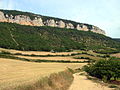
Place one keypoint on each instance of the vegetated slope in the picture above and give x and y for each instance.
(45, 38)
(117, 39)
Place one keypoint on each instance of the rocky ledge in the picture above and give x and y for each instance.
(40, 21)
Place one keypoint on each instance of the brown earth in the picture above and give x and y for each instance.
(81, 82)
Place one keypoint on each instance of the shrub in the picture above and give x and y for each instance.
(5, 52)
(82, 58)
(104, 69)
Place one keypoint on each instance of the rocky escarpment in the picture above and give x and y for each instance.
(38, 20)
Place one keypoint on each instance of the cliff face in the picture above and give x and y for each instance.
(53, 22)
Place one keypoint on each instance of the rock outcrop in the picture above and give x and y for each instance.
(61, 24)
(2, 17)
(82, 27)
(97, 30)
(51, 23)
(69, 25)
(38, 21)
(21, 19)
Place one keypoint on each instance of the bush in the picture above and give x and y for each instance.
(107, 51)
(104, 69)
(5, 52)
(82, 58)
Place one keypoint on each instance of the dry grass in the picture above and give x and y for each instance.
(56, 81)
(68, 58)
(14, 73)
(37, 52)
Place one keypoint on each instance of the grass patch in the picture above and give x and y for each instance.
(33, 55)
(113, 86)
(39, 60)
(56, 81)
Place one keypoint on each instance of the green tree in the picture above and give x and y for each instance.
(109, 69)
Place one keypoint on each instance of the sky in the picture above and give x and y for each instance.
(102, 13)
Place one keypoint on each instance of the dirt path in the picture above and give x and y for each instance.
(82, 83)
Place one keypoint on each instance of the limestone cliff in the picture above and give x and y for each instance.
(38, 20)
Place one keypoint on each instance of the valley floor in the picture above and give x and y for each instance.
(82, 83)
(14, 72)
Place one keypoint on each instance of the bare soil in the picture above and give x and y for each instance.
(82, 83)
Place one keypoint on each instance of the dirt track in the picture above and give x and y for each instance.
(82, 83)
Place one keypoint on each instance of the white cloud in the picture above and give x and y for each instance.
(10, 4)
(1, 3)
(7, 4)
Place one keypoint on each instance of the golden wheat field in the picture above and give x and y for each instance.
(38, 52)
(14, 72)
(70, 58)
